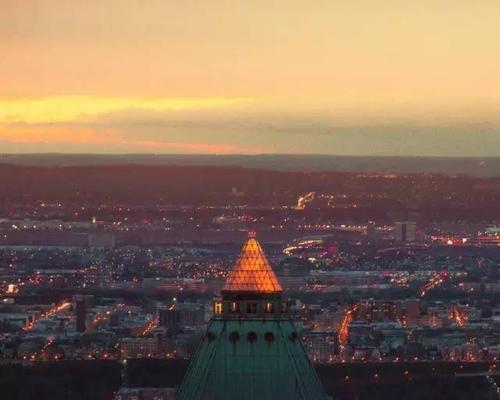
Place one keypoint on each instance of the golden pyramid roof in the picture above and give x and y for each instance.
(252, 272)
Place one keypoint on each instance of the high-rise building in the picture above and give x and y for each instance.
(405, 231)
(82, 304)
(170, 318)
(251, 349)
(412, 312)
(81, 313)
(371, 230)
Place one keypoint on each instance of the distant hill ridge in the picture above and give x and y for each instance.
(474, 166)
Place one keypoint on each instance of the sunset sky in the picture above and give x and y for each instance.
(387, 77)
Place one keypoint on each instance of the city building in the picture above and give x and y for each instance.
(405, 231)
(81, 314)
(182, 314)
(139, 346)
(490, 236)
(251, 349)
(321, 345)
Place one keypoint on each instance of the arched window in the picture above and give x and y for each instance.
(269, 336)
(251, 336)
(234, 337)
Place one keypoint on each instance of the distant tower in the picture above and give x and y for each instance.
(81, 313)
(371, 230)
(405, 231)
(251, 350)
(98, 238)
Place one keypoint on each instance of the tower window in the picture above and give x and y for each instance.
(218, 307)
(269, 308)
(251, 308)
(234, 307)
(251, 336)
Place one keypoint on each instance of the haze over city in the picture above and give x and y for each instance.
(251, 200)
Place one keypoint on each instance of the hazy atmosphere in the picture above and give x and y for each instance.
(331, 77)
(249, 199)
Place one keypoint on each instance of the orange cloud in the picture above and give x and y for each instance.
(31, 134)
(109, 138)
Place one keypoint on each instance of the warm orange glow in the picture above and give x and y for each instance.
(252, 272)
(351, 77)
(344, 326)
(150, 326)
(49, 313)
(106, 139)
(459, 317)
(435, 280)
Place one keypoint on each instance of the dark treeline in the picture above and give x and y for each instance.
(475, 166)
(97, 380)
(67, 380)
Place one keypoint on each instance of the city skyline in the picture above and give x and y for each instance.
(232, 199)
(247, 78)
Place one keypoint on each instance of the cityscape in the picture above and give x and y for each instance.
(129, 285)
(249, 200)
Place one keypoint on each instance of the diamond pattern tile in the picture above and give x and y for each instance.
(252, 272)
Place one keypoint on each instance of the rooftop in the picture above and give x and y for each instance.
(252, 271)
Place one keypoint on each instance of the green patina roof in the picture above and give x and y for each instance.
(224, 368)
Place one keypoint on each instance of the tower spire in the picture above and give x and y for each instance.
(252, 349)
(252, 272)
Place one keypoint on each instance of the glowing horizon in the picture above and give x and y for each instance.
(392, 78)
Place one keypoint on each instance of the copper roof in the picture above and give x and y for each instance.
(252, 272)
